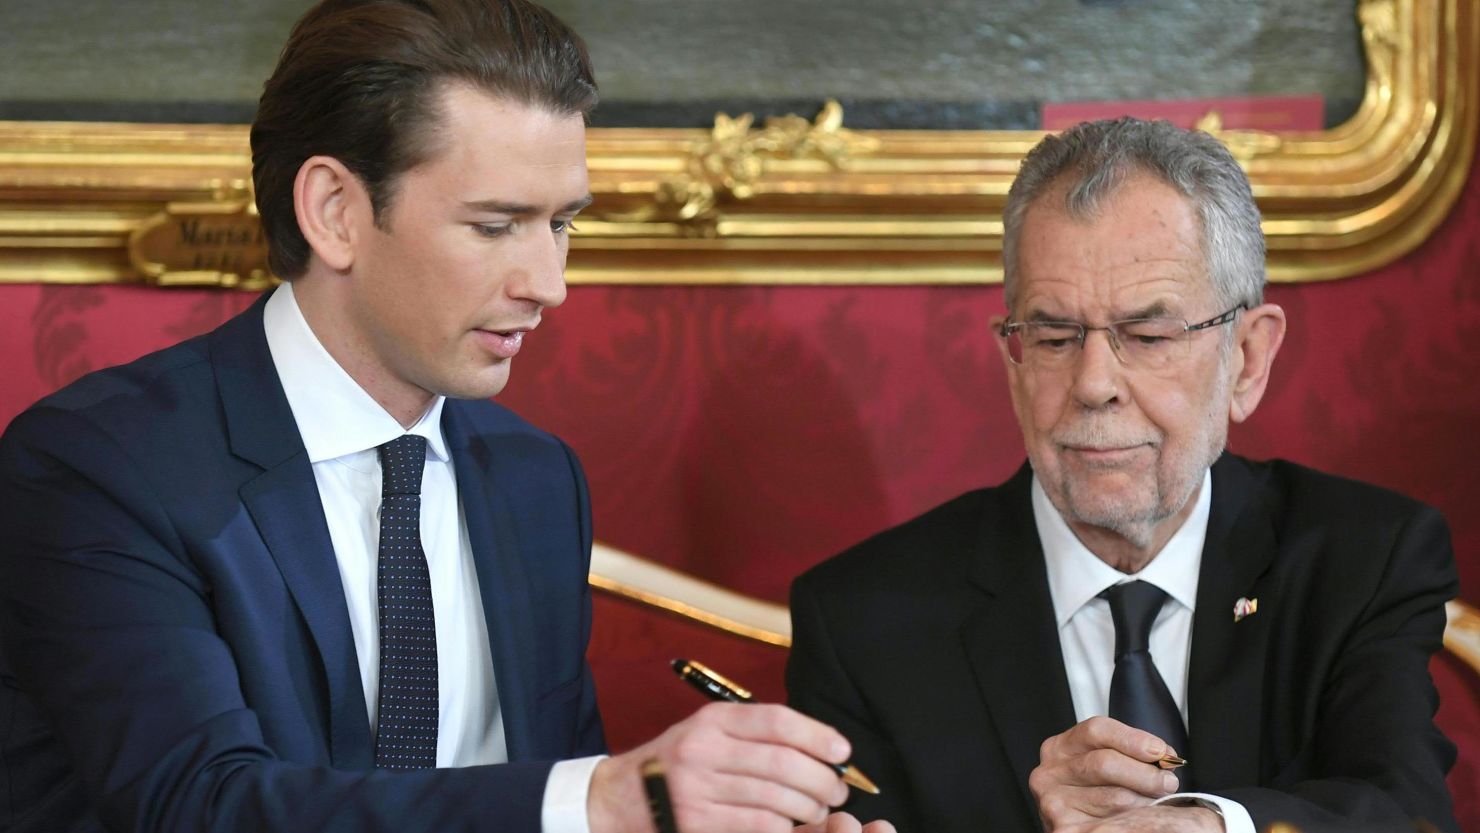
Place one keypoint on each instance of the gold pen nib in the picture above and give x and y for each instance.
(853, 778)
(1171, 762)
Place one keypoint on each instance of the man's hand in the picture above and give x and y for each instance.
(1158, 819)
(730, 767)
(1096, 770)
(845, 823)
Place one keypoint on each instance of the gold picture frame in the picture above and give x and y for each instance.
(792, 201)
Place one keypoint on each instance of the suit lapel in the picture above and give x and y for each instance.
(1226, 677)
(284, 503)
(502, 583)
(1013, 647)
(1012, 641)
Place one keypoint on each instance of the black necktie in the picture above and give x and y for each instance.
(1138, 695)
(406, 727)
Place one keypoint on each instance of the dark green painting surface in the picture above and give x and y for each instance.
(893, 63)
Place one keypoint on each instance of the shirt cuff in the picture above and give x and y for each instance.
(1236, 819)
(564, 807)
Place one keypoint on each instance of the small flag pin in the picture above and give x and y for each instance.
(1245, 607)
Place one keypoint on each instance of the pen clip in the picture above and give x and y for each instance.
(695, 667)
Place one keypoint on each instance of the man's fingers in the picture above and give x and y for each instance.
(1103, 768)
(721, 755)
(845, 823)
(1104, 733)
(835, 823)
(801, 772)
(718, 762)
(727, 756)
(765, 794)
(734, 819)
(1107, 767)
(1109, 733)
(777, 724)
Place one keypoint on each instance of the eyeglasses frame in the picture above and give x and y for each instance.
(1008, 327)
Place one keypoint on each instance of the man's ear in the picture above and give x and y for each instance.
(1260, 333)
(331, 205)
(996, 322)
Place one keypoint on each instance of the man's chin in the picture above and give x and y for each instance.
(485, 384)
(1111, 515)
(1111, 503)
(1113, 486)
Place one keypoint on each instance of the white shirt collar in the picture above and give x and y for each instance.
(1076, 576)
(335, 415)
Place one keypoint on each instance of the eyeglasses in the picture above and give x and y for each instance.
(1140, 343)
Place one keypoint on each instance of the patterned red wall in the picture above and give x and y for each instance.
(745, 433)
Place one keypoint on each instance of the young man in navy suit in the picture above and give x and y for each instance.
(298, 573)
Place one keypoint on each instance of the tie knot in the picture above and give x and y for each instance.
(1133, 608)
(401, 462)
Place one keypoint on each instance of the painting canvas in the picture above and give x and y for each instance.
(937, 64)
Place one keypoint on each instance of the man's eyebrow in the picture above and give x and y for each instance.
(1156, 309)
(577, 205)
(523, 209)
(1039, 316)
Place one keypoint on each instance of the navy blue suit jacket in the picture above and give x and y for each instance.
(175, 649)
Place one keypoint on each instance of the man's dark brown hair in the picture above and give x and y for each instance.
(361, 81)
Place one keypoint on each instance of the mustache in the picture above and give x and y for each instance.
(1102, 435)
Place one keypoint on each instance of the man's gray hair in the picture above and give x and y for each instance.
(1094, 158)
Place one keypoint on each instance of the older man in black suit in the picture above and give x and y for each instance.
(1042, 654)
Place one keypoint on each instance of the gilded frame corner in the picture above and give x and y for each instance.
(795, 201)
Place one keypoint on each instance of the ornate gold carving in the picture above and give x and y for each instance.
(1243, 144)
(726, 165)
(1379, 23)
(798, 201)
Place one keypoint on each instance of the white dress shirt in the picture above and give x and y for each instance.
(342, 426)
(1076, 577)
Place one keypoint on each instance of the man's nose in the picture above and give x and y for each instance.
(542, 276)
(1098, 373)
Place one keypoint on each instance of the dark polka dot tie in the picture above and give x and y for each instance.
(1138, 694)
(406, 729)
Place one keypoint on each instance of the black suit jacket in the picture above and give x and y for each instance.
(177, 653)
(933, 647)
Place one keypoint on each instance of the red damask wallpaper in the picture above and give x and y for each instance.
(745, 433)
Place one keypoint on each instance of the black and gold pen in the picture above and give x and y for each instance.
(716, 687)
